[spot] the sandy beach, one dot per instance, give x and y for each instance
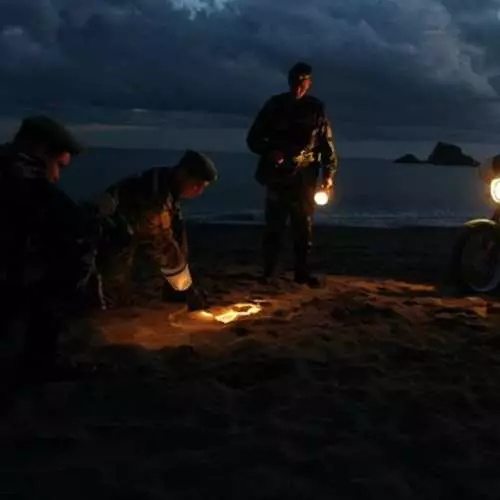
(379, 385)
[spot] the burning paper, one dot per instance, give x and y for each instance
(231, 313)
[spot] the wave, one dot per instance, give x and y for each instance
(360, 219)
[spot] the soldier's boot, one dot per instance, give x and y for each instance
(305, 278)
(168, 294)
(302, 275)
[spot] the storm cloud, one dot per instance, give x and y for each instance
(377, 62)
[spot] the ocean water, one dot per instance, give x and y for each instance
(373, 193)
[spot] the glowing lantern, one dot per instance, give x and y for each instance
(321, 198)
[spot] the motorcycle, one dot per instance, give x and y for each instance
(476, 253)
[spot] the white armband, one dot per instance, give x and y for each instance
(179, 280)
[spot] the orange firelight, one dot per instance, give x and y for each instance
(231, 313)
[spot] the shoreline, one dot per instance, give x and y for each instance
(327, 226)
(348, 224)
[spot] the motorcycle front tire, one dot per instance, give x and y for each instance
(485, 229)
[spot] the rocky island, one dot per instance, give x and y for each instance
(443, 154)
(449, 154)
(408, 158)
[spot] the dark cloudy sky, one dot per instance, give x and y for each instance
(379, 64)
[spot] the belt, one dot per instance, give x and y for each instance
(302, 160)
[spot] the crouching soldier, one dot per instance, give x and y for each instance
(147, 207)
(45, 255)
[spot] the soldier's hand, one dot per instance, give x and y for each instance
(328, 184)
(277, 157)
(195, 299)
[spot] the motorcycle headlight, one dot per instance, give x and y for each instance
(321, 197)
(495, 190)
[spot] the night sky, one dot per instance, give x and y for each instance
(378, 64)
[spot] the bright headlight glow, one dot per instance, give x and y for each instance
(321, 198)
(495, 190)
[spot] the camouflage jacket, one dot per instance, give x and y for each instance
(299, 129)
(150, 204)
(45, 240)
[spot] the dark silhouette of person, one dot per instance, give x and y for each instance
(293, 137)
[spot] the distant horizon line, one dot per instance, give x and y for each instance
(418, 141)
(422, 161)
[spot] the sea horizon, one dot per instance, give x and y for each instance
(369, 192)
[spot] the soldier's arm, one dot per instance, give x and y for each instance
(327, 149)
(64, 215)
(69, 232)
(108, 201)
(258, 135)
(172, 255)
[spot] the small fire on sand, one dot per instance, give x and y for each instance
(231, 313)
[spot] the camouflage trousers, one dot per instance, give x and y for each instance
(154, 244)
(135, 268)
(281, 206)
(138, 262)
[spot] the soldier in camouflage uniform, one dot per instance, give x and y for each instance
(148, 208)
(45, 255)
(293, 137)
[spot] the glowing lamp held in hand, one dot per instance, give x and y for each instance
(495, 190)
(321, 197)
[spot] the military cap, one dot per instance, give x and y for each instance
(198, 166)
(300, 69)
(44, 129)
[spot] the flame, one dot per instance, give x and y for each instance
(231, 313)
(205, 314)
(237, 311)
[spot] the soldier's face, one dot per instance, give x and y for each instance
(55, 164)
(193, 188)
(300, 85)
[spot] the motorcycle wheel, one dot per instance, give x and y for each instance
(476, 259)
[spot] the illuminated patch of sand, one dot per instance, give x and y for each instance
(218, 317)
(171, 325)
(233, 313)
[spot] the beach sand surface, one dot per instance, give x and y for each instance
(381, 384)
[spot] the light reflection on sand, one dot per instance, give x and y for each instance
(231, 313)
(220, 316)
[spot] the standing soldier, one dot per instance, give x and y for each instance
(147, 206)
(293, 137)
